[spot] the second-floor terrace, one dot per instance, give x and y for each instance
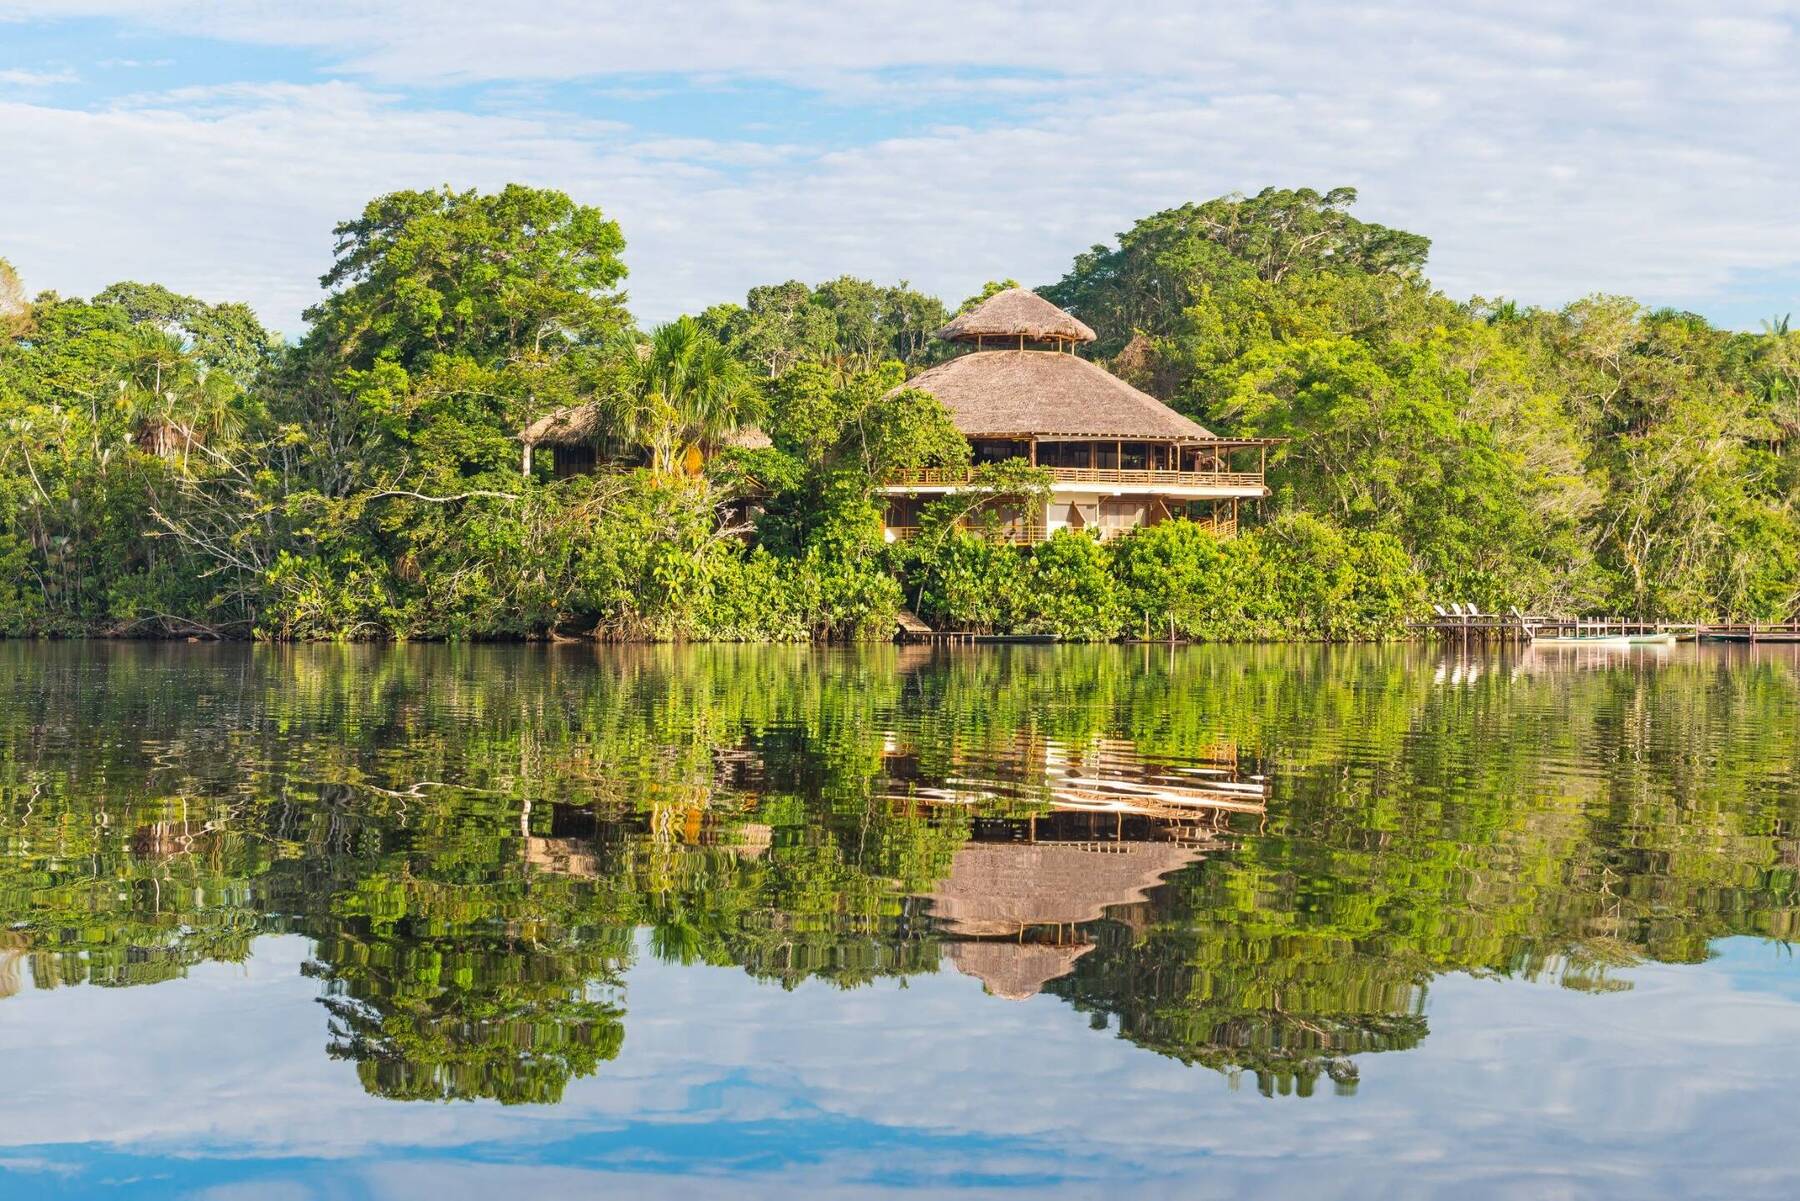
(1214, 468)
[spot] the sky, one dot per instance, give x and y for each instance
(1550, 150)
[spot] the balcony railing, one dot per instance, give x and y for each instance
(1017, 533)
(1112, 477)
(1028, 533)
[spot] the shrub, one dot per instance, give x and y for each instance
(1069, 589)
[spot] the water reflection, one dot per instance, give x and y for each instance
(1252, 860)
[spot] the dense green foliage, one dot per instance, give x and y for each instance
(166, 468)
(471, 836)
(1597, 458)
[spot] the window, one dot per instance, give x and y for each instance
(903, 512)
(1120, 513)
(999, 452)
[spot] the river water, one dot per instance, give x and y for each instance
(447, 922)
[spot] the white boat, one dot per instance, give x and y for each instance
(1612, 641)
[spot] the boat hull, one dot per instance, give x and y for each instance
(1614, 641)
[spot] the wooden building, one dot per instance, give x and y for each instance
(1120, 458)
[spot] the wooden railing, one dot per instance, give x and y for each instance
(1026, 534)
(1017, 533)
(1104, 476)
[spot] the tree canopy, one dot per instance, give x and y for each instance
(165, 467)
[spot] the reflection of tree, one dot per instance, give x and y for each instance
(472, 838)
(459, 1017)
(1225, 995)
(454, 972)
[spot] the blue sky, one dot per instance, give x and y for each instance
(1550, 150)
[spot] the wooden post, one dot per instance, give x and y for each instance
(525, 470)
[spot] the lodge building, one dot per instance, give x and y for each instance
(1120, 458)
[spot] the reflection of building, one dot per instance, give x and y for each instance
(1106, 776)
(1015, 971)
(12, 953)
(564, 856)
(1045, 838)
(1013, 907)
(1104, 825)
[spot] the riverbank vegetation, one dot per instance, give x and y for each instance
(168, 467)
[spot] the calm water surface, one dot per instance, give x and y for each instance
(438, 923)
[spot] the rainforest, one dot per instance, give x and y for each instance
(171, 468)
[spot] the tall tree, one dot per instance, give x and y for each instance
(1164, 262)
(15, 306)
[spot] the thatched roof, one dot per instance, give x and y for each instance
(997, 889)
(1046, 393)
(1014, 971)
(586, 423)
(746, 437)
(575, 426)
(1016, 313)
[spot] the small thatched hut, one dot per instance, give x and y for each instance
(580, 440)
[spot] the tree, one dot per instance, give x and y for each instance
(685, 393)
(847, 326)
(221, 337)
(15, 307)
(1165, 261)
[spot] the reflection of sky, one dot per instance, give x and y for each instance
(218, 1086)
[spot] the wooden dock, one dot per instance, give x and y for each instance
(912, 629)
(1466, 624)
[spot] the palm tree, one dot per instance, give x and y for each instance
(681, 396)
(171, 402)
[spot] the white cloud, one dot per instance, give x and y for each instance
(1549, 150)
(36, 79)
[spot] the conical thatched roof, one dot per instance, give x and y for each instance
(565, 427)
(1016, 313)
(997, 889)
(1014, 971)
(1045, 393)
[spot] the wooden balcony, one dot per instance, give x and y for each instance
(1029, 533)
(1101, 478)
(1015, 532)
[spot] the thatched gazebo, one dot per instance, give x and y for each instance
(1015, 315)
